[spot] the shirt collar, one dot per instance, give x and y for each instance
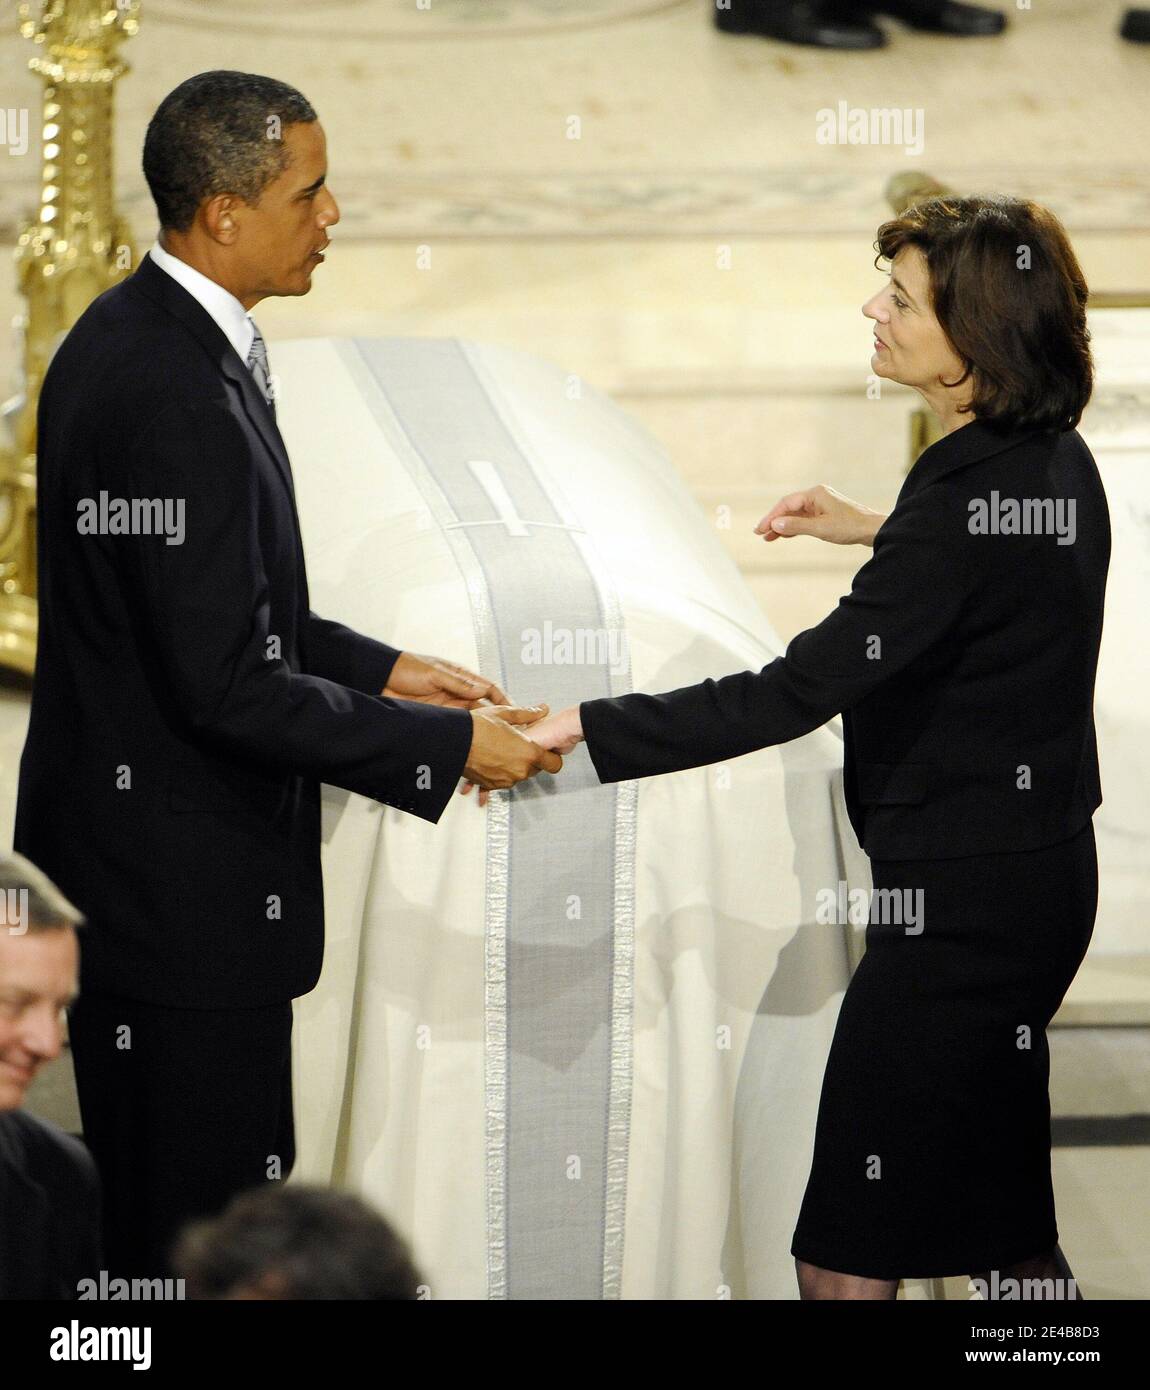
(234, 321)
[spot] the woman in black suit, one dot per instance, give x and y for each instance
(963, 663)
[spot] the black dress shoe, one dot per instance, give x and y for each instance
(825, 25)
(1136, 26)
(940, 16)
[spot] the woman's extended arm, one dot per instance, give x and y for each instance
(903, 601)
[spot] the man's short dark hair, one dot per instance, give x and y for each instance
(296, 1242)
(218, 132)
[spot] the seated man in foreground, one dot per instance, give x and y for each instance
(49, 1191)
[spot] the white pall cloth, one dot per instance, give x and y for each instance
(572, 1044)
(1116, 426)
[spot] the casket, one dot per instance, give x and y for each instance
(571, 1043)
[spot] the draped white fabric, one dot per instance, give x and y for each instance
(1116, 426)
(733, 984)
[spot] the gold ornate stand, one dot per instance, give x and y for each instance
(76, 248)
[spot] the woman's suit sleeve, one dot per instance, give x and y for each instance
(903, 601)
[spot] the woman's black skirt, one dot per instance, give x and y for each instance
(932, 1145)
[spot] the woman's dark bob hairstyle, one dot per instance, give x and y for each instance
(1010, 296)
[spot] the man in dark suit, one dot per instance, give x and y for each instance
(188, 702)
(49, 1191)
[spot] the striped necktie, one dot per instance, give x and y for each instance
(258, 366)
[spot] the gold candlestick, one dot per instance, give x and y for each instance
(77, 247)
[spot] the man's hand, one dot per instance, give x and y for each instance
(821, 511)
(561, 732)
(436, 682)
(500, 754)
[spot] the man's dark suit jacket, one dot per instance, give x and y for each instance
(49, 1210)
(187, 702)
(963, 665)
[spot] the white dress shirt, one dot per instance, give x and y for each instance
(234, 320)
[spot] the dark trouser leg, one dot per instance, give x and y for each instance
(182, 1109)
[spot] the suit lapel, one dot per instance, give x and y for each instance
(171, 295)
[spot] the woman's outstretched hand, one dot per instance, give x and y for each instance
(822, 512)
(559, 732)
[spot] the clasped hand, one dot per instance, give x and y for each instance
(509, 742)
(550, 734)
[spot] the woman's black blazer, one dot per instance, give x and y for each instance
(962, 661)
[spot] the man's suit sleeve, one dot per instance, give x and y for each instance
(207, 608)
(348, 657)
(902, 601)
